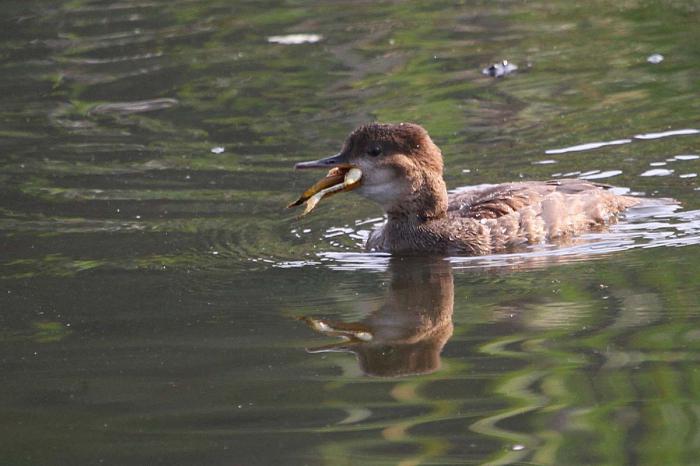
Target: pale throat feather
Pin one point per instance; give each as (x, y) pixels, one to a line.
(384, 187)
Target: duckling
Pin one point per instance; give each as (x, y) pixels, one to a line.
(402, 170)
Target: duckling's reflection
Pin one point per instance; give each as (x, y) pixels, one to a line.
(407, 333)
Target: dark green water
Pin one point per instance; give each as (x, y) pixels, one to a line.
(152, 290)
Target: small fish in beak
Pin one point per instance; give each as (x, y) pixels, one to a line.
(338, 179)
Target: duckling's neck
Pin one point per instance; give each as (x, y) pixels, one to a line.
(427, 200)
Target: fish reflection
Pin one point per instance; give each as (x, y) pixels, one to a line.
(406, 334)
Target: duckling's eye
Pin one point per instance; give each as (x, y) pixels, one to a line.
(374, 151)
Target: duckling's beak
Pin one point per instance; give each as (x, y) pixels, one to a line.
(342, 176)
(336, 160)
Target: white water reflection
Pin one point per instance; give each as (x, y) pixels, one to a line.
(596, 145)
(657, 172)
(295, 39)
(600, 175)
(140, 106)
(587, 146)
(664, 134)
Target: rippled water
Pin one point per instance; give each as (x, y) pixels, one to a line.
(159, 305)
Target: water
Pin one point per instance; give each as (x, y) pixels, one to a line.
(156, 297)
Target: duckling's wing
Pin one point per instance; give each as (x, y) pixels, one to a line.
(495, 201)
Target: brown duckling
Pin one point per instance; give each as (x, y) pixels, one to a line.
(399, 167)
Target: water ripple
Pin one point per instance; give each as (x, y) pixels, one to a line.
(665, 134)
(596, 145)
(600, 175)
(587, 146)
(650, 226)
(140, 106)
(657, 172)
(295, 39)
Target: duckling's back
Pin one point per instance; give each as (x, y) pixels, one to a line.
(513, 214)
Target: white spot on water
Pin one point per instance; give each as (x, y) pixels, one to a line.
(620, 191)
(589, 173)
(134, 107)
(657, 172)
(295, 264)
(655, 58)
(587, 146)
(295, 39)
(664, 134)
(605, 174)
(688, 175)
(369, 220)
(217, 150)
(544, 162)
(337, 231)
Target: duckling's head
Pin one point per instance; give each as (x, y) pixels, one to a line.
(401, 167)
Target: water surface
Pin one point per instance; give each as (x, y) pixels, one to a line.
(156, 297)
